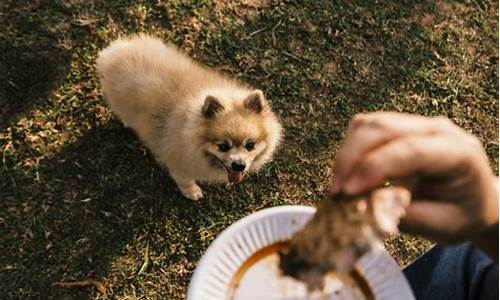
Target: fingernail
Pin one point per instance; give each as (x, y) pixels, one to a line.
(353, 185)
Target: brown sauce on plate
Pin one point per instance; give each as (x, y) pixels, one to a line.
(356, 277)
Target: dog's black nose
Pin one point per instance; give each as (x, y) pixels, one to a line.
(237, 166)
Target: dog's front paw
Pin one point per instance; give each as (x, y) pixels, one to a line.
(192, 192)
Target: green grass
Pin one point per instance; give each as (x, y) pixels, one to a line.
(80, 197)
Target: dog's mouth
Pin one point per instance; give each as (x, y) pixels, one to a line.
(235, 176)
(232, 176)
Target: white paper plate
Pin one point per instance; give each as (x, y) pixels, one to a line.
(242, 264)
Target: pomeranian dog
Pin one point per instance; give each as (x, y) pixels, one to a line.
(201, 125)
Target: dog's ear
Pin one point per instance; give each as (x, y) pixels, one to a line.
(255, 101)
(211, 107)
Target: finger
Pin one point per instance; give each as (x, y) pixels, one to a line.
(334, 185)
(404, 157)
(440, 221)
(368, 131)
(409, 182)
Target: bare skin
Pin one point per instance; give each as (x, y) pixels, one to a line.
(455, 193)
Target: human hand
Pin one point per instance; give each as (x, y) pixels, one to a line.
(454, 191)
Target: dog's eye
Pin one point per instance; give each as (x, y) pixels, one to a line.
(250, 146)
(224, 147)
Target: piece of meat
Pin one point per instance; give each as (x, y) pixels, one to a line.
(342, 230)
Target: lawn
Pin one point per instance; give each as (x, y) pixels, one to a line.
(81, 198)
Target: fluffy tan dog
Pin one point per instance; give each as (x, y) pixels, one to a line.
(200, 124)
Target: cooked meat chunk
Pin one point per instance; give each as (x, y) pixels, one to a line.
(343, 229)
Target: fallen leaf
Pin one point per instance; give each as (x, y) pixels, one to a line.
(100, 285)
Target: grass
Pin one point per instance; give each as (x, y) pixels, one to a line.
(81, 198)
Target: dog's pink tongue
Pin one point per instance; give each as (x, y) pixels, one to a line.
(235, 177)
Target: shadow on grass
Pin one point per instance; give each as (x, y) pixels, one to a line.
(33, 57)
(89, 201)
(104, 197)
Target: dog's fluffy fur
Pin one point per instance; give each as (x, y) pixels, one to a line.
(200, 124)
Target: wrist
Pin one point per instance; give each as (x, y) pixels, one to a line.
(487, 238)
(492, 199)
(487, 241)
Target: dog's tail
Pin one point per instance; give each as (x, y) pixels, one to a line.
(131, 73)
